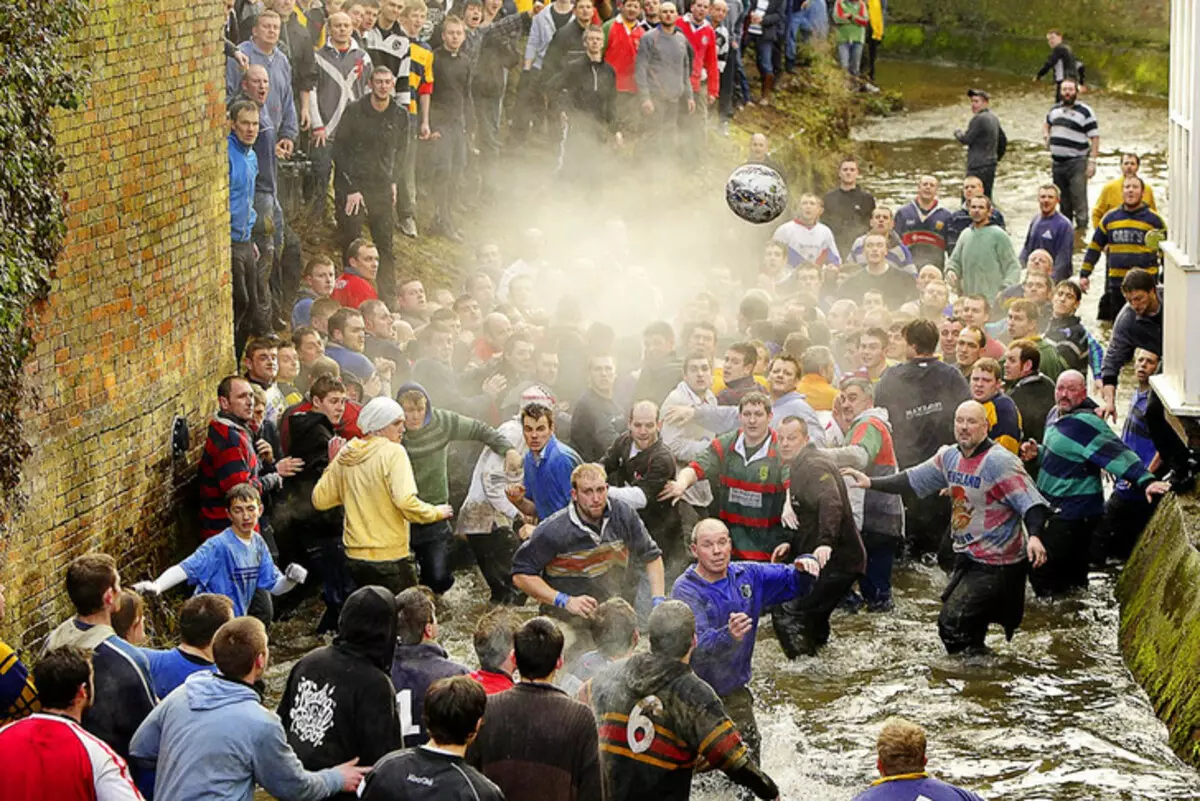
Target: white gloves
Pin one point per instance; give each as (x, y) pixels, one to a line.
(147, 588)
(296, 573)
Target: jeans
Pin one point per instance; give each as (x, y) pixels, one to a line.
(245, 294)
(431, 544)
(1070, 176)
(798, 33)
(329, 555)
(876, 581)
(764, 55)
(849, 56)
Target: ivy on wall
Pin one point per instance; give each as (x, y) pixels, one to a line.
(36, 77)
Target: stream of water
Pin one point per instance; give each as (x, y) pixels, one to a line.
(1054, 714)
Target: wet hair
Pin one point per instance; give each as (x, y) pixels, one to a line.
(324, 384)
(538, 644)
(312, 264)
(901, 747)
(59, 674)
(1138, 280)
(593, 469)
(535, 412)
(672, 627)
(1027, 352)
(922, 335)
(242, 492)
(201, 616)
(130, 608)
(1027, 308)
(755, 399)
(990, 365)
(240, 106)
(452, 709)
(614, 625)
(89, 577)
(414, 611)
(237, 644)
(493, 639)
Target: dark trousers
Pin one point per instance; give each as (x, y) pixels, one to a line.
(987, 174)
(530, 106)
(1070, 176)
(431, 543)
(876, 581)
(488, 112)
(802, 624)
(245, 294)
(378, 216)
(451, 166)
(493, 553)
(872, 54)
(328, 555)
(739, 706)
(1122, 526)
(927, 523)
(1068, 547)
(405, 175)
(977, 596)
(317, 185)
(396, 575)
(1175, 455)
(725, 99)
(262, 607)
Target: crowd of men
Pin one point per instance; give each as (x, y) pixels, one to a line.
(885, 384)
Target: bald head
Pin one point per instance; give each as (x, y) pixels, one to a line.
(1070, 391)
(709, 525)
(970, 425)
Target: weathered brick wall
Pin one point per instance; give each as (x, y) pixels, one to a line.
(137, 328)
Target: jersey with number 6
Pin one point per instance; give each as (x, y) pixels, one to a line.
(658, 722)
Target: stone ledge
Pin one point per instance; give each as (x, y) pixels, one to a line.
(1159, 593)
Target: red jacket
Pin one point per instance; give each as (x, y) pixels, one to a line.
(704, 48)
(620, 51)
(351, 290)
(51, 757)
(493, 682)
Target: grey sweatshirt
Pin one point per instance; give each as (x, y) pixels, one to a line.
(664, 65)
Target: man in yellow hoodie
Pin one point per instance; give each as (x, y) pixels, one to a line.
(373, 479)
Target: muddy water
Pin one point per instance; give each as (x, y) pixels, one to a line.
(1054, 714)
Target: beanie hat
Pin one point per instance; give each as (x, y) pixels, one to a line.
(379, 413)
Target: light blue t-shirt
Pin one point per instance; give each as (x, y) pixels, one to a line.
(229, 566)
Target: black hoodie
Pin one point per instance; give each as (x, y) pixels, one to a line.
(656, 718)
(339, 702)
(309, 434)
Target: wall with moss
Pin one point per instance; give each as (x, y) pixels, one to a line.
(1159, 591)
(136, 327)
(1124, 45)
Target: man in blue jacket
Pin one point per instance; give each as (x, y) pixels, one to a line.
(728, 598)
(214, 739)
(243, 171)
(901, 765)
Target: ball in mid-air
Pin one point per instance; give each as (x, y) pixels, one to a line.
(756, 193)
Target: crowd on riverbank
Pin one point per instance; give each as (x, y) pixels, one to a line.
(638, 448)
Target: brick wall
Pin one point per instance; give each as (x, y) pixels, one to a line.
(137, 328)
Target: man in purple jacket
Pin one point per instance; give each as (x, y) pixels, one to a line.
(727, 599)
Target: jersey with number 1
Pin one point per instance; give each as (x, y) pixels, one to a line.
(414, 668)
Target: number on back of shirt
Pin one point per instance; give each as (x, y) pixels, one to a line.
(404, 703)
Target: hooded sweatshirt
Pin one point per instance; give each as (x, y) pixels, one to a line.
(427, 445)
(124, 693)
(309, 433)
(212, 739)
(657, 719)
(414, 668)
(339, 702)
(373, 479)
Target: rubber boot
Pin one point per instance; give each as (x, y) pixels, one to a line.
(768, 86)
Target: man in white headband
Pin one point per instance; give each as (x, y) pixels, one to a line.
(373, 479)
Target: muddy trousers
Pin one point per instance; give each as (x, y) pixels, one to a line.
(396, 575)
(1068, 546)
(739, 706)
(977, 596)
(802, 624)
(1124, 520)
(926, 523)
(493, 553)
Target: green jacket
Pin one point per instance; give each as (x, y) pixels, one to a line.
(427, 449)
(748, 496)
(984, 261)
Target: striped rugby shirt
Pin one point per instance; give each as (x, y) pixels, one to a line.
(1071, 130)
